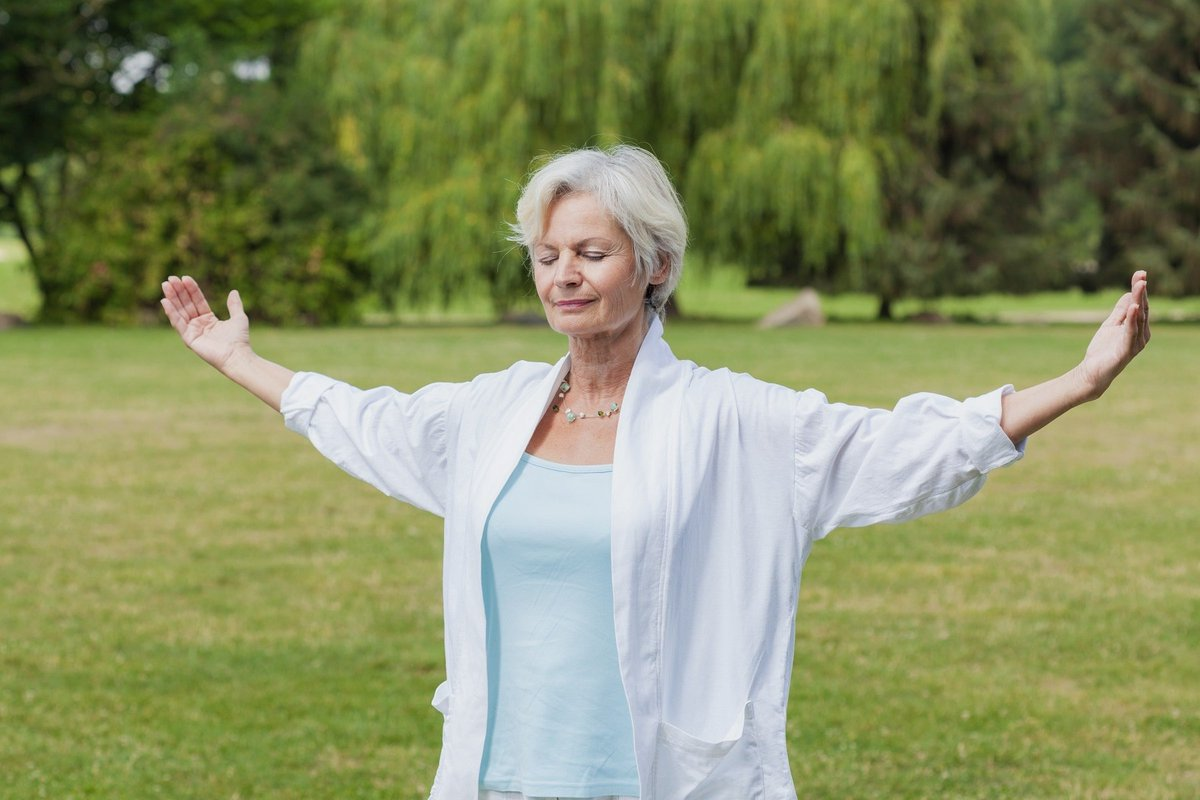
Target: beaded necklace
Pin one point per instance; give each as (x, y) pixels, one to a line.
(565, 387)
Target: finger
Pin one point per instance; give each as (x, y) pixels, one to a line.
(1142, 333)
(186, 299)
(1141, 296)
(183, 303)
(234, 304)
(173, 316)
(196, 295)
(171, 296)
(1144, 339)
(1139, 330)
(1143, 324)
(1138, 291)
(1140, 288)
(1120, 312)
(170, 312)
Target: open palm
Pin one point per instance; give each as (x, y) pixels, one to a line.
(1122, 336)
(214, 340)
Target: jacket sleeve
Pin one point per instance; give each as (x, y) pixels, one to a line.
(394, 441)
(859, 466)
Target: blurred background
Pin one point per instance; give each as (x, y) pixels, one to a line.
(348, 161)
(195, 605)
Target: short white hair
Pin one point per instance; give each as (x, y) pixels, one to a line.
(633, 187)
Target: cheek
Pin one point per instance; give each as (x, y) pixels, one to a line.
(541, 283)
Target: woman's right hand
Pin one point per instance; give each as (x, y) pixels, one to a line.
(215, 340)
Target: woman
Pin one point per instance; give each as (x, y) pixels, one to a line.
(624, 531)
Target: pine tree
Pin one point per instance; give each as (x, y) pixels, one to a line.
(1139, 131)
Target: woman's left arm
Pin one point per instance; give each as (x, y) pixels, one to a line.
(1122, 336)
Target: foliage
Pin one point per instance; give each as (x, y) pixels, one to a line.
(237, 189)
(82, 80)
(1138, 134)
(901, 150)
(442, 105)
(902, 147)
(892, 145)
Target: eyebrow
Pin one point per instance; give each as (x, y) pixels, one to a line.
(592, 240)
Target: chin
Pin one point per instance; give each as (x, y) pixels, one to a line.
(591, 328)
(573, 328)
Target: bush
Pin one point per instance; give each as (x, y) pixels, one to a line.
(242, 191)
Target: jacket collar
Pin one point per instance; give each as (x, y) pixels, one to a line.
(642, 419)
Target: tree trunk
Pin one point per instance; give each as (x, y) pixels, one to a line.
(885, 308)
(11, 196)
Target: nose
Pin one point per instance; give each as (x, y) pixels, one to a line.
(566, 270)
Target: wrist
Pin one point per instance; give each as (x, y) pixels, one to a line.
(1084, 385)
(236, 360)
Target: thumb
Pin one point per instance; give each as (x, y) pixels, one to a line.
(1121, 309)
(234, 303)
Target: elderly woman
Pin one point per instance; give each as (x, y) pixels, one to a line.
(625, 531)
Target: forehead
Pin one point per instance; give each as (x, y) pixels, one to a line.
(577, 216)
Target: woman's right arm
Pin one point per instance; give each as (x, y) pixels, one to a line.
(394, 441)
(225, 344)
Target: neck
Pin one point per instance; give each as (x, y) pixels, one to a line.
(600, 366)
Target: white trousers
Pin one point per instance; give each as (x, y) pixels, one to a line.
(490, 794)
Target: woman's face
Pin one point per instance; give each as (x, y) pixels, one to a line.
(584, 269)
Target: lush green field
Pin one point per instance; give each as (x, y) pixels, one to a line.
(193, 604)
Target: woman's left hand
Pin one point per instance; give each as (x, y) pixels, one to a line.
(1122, 336)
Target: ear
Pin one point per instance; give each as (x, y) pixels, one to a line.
(664, 268)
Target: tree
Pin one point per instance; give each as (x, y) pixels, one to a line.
(443, 104)
(966, 202)
(75, 74)
(236, 189)
(1138, 130)
(889, 145)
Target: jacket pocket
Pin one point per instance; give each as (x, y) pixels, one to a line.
(441, 701)
(689, 768)
(441, 698)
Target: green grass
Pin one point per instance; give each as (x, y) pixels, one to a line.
(193, 604)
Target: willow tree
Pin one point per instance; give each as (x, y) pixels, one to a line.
(848, 145)
(1139, 131)
(442, 106)
(793, 184)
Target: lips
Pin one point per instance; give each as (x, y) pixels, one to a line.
(568, 305)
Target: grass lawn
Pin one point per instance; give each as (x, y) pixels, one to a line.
(193, 604)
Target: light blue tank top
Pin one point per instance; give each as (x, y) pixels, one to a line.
(558, 723)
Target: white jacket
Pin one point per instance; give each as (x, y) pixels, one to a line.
(721, 484)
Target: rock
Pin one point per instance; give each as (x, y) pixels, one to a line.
(804, 309)
(928, 317)
(11, 321)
